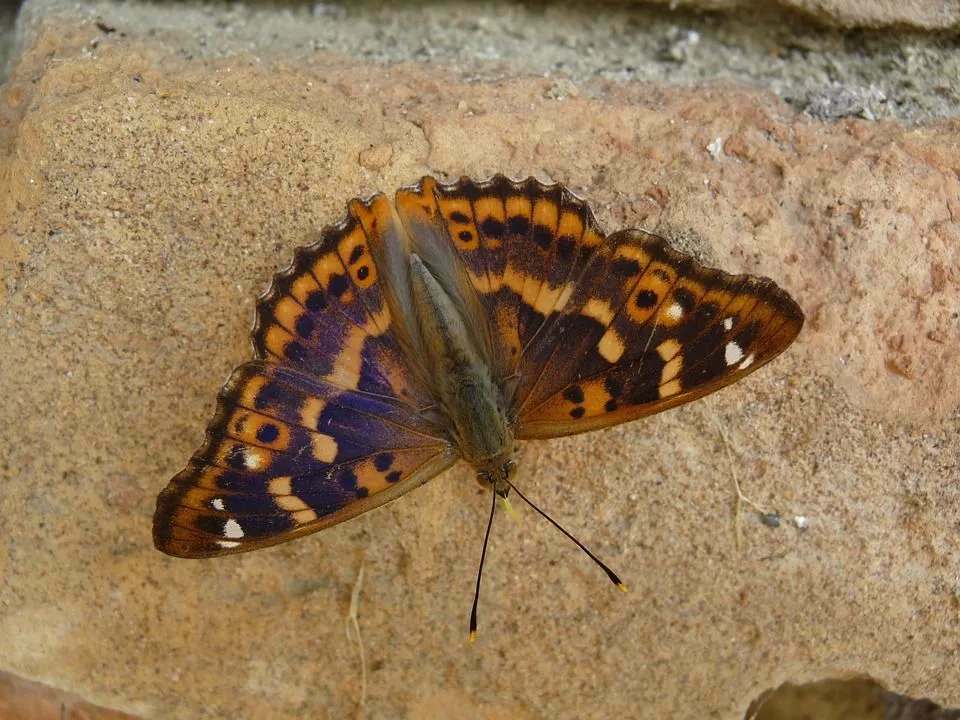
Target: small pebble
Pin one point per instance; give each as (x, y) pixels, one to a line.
(770, 519)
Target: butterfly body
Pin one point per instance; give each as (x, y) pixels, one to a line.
(451, 323)
(462, 382)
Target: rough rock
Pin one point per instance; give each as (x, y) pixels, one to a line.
(829, 73)
(923, 14)
(147, 196)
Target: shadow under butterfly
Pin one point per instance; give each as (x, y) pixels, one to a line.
(451, 324)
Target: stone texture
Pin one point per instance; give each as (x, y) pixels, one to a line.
(147, 196)
(924, 14)
(854, 698)
(828, 73)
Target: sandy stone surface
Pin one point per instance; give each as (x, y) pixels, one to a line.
(147, 196)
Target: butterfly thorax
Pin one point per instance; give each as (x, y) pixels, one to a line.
(461, 379)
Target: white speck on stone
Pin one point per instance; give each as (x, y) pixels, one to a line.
(732, 353)
(715, 149)
(675, 311)
(232, 529)
(728, 323)
(801, 522)
(217, 504)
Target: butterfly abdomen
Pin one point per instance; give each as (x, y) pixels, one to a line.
(462, 380)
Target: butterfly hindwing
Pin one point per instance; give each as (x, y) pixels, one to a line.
(648, 328)
(287, 454)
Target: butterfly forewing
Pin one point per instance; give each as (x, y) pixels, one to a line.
(647, 329)
(287, 454)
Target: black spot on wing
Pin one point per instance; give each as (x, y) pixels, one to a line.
(338, 284)
(275, 396)
(542, 236)
(492, 228)
(294, 351)
(518, 225)
(383, 461)
(645, 299)
(304, 326)
(626, 267)
(347, 479)
(316, 301)
(267, 433)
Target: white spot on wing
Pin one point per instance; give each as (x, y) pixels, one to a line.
(747, 362)
(227, 543)
(732, 353)
(675, 311)
(251, 460)
(728, 323)
(217, 504)
(232, 529)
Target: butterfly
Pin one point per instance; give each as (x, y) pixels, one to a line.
(450, 324)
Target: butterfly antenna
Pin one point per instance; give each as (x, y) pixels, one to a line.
(614, 578)
(483, 556)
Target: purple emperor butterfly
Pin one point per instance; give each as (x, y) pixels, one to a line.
(449, 325)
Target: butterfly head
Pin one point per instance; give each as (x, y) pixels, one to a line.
(497, 475)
